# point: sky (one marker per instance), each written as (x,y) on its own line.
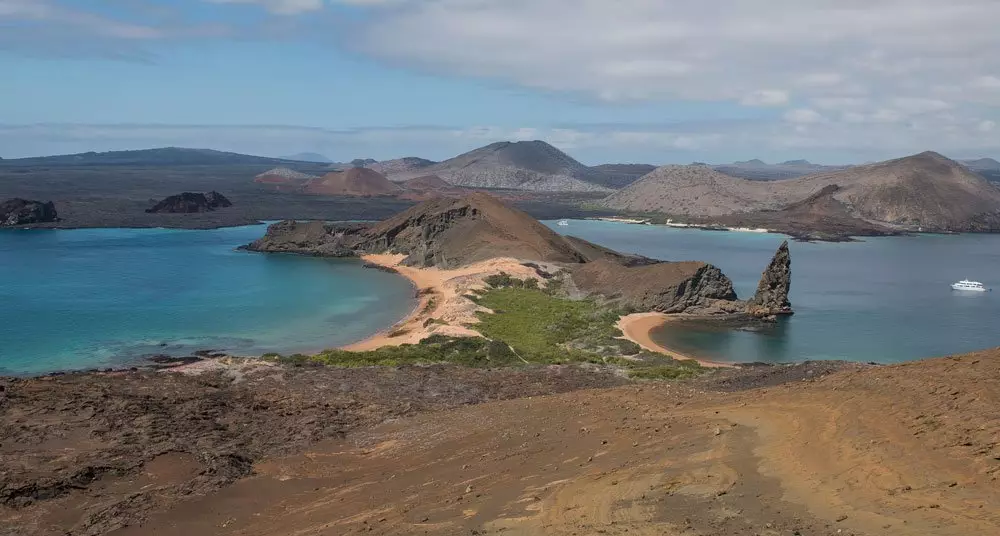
(652,81)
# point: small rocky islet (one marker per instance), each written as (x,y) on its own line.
(190,203)
(15,212)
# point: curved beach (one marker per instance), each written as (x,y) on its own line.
(638,326)
(442,307)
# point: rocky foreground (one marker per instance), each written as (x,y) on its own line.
(817,449)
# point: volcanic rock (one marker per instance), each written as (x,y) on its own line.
(312,238)
(454,232)
(665,287)
(772,291)
(19,211)
(189,203)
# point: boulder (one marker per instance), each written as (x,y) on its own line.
(771,297)
(189,203)
(19,211)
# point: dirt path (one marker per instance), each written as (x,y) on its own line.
(907,450)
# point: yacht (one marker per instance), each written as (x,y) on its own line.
(564,223)
(965,284)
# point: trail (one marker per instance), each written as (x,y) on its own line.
(902,450)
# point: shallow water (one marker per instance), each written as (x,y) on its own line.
(884,299)
(74,299)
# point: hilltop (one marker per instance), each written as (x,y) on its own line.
(692,191)
(399,166)
(525,165)
(455,232)
(353,182)
(925,191)
(167,156)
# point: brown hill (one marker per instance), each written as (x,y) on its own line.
(817,217)
(524,165)
(693,191)
(283,176)
(353,182)
(925,191)
(454,232)
(391,168)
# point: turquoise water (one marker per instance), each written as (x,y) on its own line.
(884,299)
(75,299)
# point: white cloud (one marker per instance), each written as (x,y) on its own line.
(285,7)
(803,116)
(986,82)
(820,80)
(766,97)
(676,49)
(987,126)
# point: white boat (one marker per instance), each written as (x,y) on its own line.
(564,223)
(972,286)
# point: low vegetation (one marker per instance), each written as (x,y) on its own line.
(528,325)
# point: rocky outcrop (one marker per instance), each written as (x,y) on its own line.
(448,233)
(772,291)
(312,238)
(19,211)
(665,287)
(189,203)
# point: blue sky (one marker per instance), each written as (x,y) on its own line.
(658,81)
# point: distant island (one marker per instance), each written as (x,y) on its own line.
(920,193)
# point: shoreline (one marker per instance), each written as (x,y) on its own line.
(637,327)
(442,308)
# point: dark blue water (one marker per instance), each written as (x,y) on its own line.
(73,299)
(884,299)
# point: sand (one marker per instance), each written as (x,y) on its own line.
(442,307)
(637,327)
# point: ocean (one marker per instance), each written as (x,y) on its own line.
(92,298)
(882,300)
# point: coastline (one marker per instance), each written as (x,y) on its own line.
(637,327)
(442,308)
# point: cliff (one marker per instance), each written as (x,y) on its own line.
(771,297)
(312,238)
(664,287)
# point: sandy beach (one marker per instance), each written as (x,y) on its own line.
(442,307)
(637,327)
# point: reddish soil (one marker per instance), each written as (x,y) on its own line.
(830,450)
